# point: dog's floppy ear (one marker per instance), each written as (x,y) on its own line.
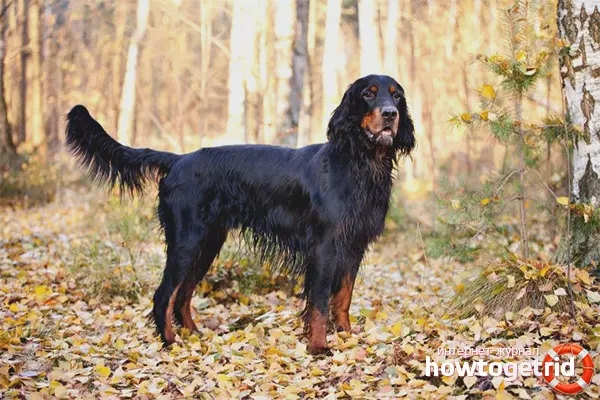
(405,137)
(342,118)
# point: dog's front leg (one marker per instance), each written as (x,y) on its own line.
(342,292)
(318,283)
(340,304)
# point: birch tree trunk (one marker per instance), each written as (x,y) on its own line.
(284,37)
(451,29)
(306,113)
(370,53)
(254,103)
(22,107)
(330,89)
(267,64)
(206,13)
(127,107)
(299,67)
(7,147)
(579,26)
(51,67)
(38,137)
(391,39)
(120,16)
(406,75)
(239,56)
(411,15)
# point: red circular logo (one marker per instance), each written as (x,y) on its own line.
(582,382)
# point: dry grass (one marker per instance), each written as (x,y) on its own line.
(515,284)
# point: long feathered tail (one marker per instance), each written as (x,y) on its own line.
(108,160)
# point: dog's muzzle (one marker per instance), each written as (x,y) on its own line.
(385,137)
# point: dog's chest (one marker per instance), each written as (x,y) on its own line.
(365,210)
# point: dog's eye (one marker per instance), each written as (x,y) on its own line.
(369,95)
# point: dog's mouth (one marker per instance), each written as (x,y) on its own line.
(384,137)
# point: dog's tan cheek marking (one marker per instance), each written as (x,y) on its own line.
(367,120)
(169,336)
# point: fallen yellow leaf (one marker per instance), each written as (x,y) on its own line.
(396,329)
(551,299)
(102,370)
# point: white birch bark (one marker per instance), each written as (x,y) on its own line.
(451,23)
(391,39)
(285,20)
(267,63)
(299,95)
(579,25)
(7,147)
(370,54)
(38,136)
(330,87)
(242,30)
(127,107)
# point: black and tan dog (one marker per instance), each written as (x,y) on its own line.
(316,209)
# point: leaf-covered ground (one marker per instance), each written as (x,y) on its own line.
(76,279)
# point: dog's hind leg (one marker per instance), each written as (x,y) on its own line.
(182,251)
(164,299)
(210,248)
(340,303)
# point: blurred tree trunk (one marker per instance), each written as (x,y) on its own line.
(22,107)
(493,23)
(415,96)
(254,101)
(51,67)
(578,26)
(38,136)
(267,64)
(402,44)
(370,52)
(120,15)
(300,67)
(450,36)
(206,11)
(284,37)
(316,40)
(7,147)
(391,39)
(127,107)
(405,50)
(238,59)
(307,119)
(329,82)
(426,90)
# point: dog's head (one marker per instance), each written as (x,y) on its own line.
(373,111)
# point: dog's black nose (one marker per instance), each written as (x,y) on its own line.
(389,113)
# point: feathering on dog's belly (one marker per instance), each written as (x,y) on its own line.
(278,220)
